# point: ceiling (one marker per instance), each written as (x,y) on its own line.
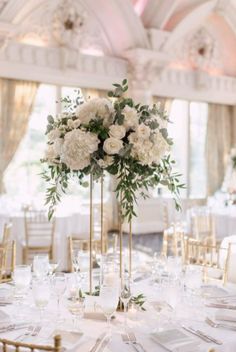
(193,33)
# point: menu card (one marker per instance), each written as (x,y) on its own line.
(175,340)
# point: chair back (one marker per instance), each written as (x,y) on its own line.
(17,346)
(7,260)
(38,228)
(208,256)
(6,233)
(203,225)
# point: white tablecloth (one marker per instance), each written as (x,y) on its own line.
(142,324)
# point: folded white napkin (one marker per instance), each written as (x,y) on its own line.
(175,340)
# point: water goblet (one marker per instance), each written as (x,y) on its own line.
(59,286)
(109,298)
(41,265)
(22,279)
(76,307)
(41,294)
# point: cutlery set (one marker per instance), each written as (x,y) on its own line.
(220,325)
(130,339)
(100,344)
(202,335)
(31,331)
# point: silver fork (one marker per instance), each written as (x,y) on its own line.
(28,332)
(36,331)
(126,340)
(133,339)
(219,325)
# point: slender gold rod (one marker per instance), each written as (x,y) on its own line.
(91,237)
(121,240)
(102,210)
(130,249)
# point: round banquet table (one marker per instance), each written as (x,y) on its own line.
(142,323)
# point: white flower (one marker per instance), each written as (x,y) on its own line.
(131,117)
(112,145)
(133,138)
(107,161)
(143,131)
(50,153)
(99,107)
(77,149)
(117,131)
(70,123)
(76,123)
(52,135)
(57,145)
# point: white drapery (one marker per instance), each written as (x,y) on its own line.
(16,103)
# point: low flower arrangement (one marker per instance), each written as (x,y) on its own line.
(113,135)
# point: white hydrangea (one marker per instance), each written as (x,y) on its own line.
(77,149)
(50,153)
(112,146)
(131,119)
(99,107)
(117,131)
(57,145)
(54,134)
(143,131)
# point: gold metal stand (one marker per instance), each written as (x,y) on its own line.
(130,249)
(121,241)
(91,237)
(102,209)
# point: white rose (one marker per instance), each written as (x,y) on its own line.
(77,149)
(143,131)
(76,123)
(131,117)
(133,138)
(70,123)
(112,145)
(52,135)
(117,131)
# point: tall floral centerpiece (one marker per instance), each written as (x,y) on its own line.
(111,135)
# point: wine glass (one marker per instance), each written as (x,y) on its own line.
(125,295)
(59,285)
(158,265)
(41,265)
(41,294)
(109,298)
(22,279)
(76,307)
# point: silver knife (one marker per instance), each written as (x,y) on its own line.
(13,327)
(218,342)
(194,332)
(104,344)
(98,341)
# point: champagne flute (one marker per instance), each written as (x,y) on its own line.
(59,285)
(109,298)
(125,295)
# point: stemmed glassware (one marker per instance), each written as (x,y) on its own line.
(41,295)
(41,265)
(125,295)
(59,285)
(109,298)
(22,278)
(158,265)
(76,308)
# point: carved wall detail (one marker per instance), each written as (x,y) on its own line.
(202,50)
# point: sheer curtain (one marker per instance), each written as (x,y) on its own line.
(220,139)
(16,103)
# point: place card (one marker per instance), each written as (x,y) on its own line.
(175,340)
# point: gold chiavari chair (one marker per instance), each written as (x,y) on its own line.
(39,234)
(15,345)
(6,233)
(203,225)
(7,261)
(209,257)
